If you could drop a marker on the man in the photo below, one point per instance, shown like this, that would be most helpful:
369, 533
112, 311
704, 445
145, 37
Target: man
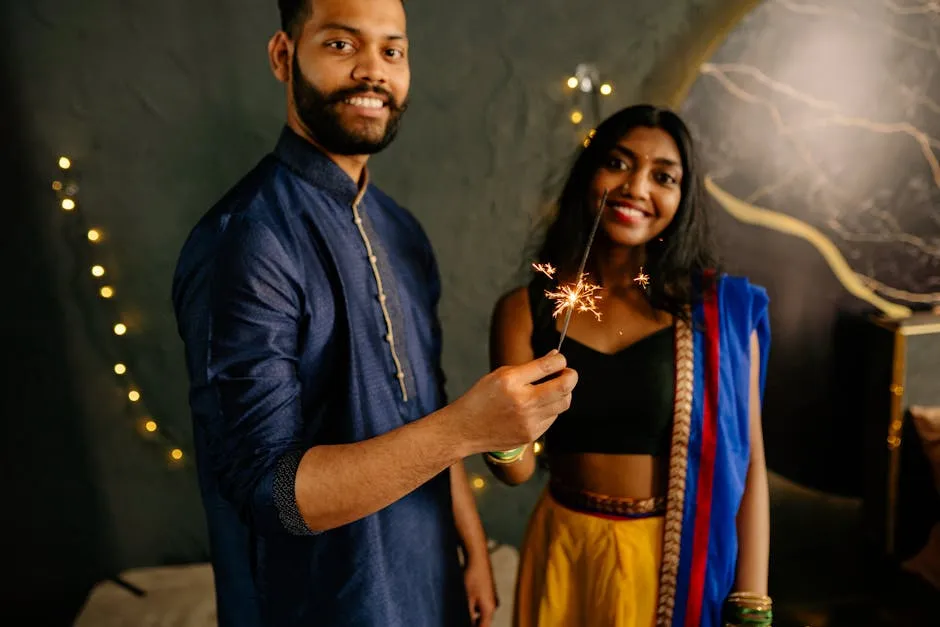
306, 299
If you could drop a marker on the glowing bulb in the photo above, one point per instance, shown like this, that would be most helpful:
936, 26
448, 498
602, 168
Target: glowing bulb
572, 82
97, 271
120, 368
94, 235
150, 426
606, 89
133, 396
176, 454
57, 186
106, 291
68, 204
537, 448
120, 329
478, 483
65, 163
576, 117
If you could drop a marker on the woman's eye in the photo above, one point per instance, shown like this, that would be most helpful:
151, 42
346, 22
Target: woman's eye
616, 164
664, 178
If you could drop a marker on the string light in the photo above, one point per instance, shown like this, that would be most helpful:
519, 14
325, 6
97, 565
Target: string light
65, 187
585, 85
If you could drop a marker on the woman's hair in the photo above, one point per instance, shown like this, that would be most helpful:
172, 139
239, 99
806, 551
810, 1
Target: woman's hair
673, 264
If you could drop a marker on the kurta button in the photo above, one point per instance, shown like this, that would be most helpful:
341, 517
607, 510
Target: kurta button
358, 220
382, 298
372, 258
400, 375
388, 338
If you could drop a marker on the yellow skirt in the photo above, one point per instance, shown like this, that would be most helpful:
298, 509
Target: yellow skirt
585, 570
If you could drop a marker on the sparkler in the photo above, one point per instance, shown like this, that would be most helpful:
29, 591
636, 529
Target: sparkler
581, 295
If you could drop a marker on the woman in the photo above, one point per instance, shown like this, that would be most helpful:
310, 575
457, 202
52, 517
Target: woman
657, 510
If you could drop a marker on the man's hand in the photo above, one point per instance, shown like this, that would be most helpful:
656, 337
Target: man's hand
514, 405
481, 590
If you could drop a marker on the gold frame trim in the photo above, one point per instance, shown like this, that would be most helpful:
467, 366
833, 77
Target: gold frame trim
895, 429
923, 329
678, 470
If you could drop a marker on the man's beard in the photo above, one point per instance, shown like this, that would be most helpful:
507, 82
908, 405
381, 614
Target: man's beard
318, 112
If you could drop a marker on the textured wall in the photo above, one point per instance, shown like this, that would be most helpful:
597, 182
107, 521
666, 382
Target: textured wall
162, 106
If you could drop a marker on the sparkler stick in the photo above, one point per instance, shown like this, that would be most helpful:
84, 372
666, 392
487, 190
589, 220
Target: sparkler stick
582, 289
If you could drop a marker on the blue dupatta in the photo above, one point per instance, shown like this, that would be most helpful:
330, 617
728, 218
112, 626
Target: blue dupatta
710, 450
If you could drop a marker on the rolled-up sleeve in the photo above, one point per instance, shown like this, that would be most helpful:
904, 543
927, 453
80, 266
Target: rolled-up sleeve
255, 442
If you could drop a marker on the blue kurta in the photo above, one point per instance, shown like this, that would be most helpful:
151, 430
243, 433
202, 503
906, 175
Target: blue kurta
309, 322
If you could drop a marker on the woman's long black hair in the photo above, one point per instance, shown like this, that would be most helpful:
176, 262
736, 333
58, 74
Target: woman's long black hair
685, 252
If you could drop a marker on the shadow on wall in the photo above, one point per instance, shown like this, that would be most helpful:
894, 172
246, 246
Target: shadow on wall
54, 522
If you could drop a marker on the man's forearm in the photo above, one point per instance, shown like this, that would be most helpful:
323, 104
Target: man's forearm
339, 484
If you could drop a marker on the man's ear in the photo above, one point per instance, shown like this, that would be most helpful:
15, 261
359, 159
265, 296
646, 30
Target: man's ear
280, 48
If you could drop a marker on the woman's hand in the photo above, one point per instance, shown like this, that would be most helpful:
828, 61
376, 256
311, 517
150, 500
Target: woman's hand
481, 589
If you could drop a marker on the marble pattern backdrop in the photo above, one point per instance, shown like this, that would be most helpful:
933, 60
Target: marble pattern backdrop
819, 128
829, 113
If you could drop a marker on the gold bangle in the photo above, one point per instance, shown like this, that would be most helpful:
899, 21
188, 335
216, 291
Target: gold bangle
512, 459
751, 600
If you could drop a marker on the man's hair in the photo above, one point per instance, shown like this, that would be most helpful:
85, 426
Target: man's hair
294, 13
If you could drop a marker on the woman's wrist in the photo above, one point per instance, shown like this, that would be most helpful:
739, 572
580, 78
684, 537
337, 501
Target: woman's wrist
748, 609
506, 457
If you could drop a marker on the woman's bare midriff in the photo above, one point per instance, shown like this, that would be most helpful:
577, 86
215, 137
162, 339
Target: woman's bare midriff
623, 476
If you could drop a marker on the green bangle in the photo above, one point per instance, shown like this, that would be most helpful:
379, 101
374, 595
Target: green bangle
506, 457
742, 616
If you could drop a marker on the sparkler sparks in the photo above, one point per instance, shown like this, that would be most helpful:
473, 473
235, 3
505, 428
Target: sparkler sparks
579, 296
545, 268
642, 279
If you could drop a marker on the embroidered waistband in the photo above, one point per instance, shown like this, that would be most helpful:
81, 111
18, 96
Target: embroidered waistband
589, 502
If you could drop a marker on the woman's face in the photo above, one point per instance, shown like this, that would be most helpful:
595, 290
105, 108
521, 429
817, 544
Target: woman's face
642, 174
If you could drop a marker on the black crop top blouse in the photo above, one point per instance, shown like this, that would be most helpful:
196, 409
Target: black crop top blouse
623, 403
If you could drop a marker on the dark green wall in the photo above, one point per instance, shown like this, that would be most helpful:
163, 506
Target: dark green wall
162, 106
